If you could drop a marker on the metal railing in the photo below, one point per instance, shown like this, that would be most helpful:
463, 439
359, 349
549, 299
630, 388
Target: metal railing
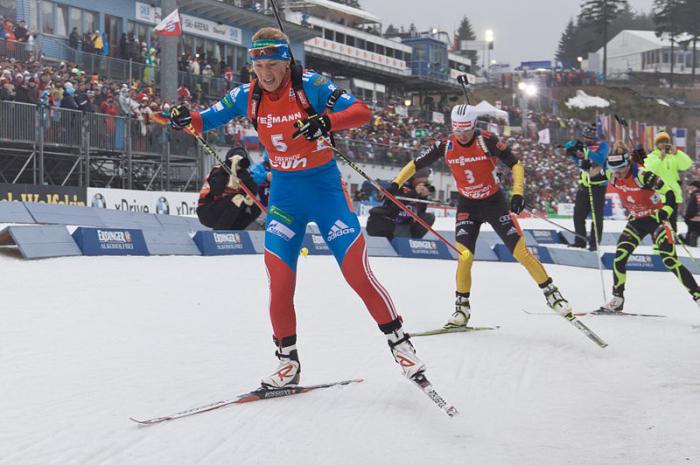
17, 122
20, 51
60, 126
105, 132
55, 48
113, 147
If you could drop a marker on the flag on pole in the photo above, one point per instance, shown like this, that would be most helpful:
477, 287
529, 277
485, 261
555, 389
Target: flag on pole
680, 136
169, 26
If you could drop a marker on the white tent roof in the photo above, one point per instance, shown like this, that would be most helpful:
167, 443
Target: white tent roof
365, 15
641, 41
485, 108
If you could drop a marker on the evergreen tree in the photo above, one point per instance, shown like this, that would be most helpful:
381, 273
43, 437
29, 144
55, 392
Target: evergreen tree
690, 24
566, 52
465, 32
668, 18
599, 14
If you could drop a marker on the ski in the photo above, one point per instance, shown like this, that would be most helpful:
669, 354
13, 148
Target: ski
454, 330
601, 312
252, 396
426, 386
578, 324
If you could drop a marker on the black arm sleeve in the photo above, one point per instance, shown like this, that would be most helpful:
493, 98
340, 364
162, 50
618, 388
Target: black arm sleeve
691, 208
670, 199
430, 155
218, 179
501, 150
247, 179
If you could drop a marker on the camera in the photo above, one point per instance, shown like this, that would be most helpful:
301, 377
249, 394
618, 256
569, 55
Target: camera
667, 148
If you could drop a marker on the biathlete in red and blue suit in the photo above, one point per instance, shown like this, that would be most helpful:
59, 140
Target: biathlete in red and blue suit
294, 112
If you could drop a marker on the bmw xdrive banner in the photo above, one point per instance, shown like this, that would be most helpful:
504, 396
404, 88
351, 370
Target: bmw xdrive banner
162, 203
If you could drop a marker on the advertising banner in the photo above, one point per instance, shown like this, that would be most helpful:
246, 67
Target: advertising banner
104, 241
59, 195
545, 236
149, 13
637, 262
224, 243
540, 253
421, 248
315, 244
162, 203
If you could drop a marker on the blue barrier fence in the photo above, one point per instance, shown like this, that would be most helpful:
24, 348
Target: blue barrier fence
42, 230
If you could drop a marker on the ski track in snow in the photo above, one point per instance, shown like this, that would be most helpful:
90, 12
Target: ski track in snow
87, 342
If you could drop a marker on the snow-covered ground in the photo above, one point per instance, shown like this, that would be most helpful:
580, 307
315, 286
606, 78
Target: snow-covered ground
87, 342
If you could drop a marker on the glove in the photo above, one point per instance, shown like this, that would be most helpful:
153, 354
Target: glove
240, 199
313, 127
585, 164
573, 147
517, 203
180, 117
651, 181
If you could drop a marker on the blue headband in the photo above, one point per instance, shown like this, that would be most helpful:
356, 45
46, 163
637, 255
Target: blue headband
276, 51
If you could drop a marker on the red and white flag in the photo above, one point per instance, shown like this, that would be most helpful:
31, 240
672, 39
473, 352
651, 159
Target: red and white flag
169, 26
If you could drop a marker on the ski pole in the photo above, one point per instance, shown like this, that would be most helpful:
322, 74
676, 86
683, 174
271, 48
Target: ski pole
462, 254
429, 202
213, 153
597, 239
558, 225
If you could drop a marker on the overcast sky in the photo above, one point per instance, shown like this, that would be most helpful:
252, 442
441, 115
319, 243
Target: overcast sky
524, 30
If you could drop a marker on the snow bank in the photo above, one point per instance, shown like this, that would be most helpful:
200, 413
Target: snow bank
583, 101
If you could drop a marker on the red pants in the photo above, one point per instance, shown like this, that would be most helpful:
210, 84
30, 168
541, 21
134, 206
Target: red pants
357, 273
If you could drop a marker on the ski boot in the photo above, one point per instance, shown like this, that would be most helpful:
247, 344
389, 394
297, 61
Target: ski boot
403, 351
460, 318
555, 301
289, 370
615, 305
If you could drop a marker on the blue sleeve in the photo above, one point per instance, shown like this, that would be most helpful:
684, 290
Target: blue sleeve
259, 173
318, 88
600, 157
234, 104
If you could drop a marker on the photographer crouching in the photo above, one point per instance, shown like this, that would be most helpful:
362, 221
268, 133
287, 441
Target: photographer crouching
223, 204
389, 221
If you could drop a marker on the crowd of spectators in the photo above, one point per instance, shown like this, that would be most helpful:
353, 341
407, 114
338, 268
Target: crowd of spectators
17, 32
393, 137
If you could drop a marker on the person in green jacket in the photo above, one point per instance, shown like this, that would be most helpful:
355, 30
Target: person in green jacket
666, 161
